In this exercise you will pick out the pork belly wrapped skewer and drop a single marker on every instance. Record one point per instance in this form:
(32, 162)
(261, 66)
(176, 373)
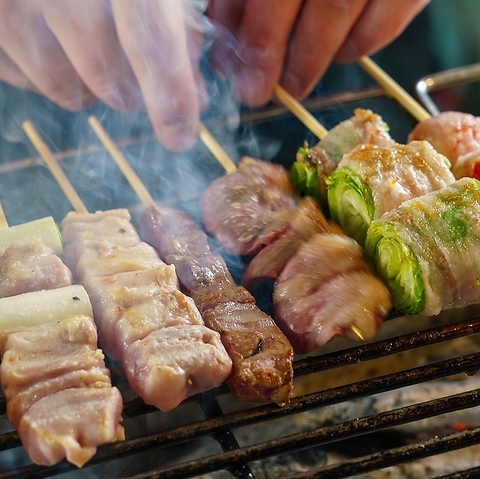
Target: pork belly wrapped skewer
(58, 391)
(144, 320)
(279, 238)
(371, 180)
(457, 136)
(314, 164)
(427, 249)
(261, 354)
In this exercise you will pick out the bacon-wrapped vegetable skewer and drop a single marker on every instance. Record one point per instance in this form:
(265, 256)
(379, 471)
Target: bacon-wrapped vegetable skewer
(370, 181)
(314, 164)
(426, 249)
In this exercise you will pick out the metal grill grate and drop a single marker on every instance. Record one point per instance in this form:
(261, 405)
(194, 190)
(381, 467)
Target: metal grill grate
(362, 411)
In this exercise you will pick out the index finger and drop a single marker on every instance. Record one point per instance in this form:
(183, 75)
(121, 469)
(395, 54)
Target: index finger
(154, 38)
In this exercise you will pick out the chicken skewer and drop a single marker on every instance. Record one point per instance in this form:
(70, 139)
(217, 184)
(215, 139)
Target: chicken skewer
(52, 372)
(261, 355)
(144, 321)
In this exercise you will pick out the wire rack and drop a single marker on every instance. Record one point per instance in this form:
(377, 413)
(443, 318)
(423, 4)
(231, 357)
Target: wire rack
(403, 405)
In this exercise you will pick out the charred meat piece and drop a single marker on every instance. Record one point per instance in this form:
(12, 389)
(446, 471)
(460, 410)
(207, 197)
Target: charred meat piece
(144, 320)
(236, 208)
(327, 289)
(58, 391)
(31, 266)
(261, 355)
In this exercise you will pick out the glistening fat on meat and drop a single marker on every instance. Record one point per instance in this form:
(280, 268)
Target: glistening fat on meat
(166, 356)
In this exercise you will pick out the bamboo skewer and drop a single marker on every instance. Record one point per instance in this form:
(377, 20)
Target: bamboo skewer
(147, 200)
(3, 218)
(216, 150)
(121, 161)
(51, 161)
(394, 89)
(300, 112)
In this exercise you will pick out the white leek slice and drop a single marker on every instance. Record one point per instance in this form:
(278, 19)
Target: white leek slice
(39, 307)
(44, 229)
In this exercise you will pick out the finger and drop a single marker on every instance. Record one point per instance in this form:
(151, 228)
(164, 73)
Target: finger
(36, 52)
(11, 74)
(154, 39)
(226, 17)
(379, 24)
(90, 42)
(319, 32)
(262, 39)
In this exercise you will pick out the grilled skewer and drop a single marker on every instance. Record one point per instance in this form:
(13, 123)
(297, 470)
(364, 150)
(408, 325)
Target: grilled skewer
(52, 372)
(144, 320)
(261, 355)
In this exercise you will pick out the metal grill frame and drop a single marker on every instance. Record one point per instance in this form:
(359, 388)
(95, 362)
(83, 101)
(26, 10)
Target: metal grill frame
(236, 461)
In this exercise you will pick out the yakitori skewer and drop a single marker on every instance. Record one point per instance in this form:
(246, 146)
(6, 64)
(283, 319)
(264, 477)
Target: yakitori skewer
(261, 355)
(209, 141)
(167, 352)
(394, 89)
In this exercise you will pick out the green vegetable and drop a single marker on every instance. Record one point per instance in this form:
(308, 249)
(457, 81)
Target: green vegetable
(351, 203)
(397, 265)
(305, 179)
(45, 229)
(39, 307)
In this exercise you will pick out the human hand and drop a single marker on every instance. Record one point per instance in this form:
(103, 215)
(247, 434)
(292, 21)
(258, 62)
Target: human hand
(128, 54)
(292, 42)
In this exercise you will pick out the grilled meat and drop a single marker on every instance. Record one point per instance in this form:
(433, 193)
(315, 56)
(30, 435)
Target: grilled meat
(237, 208)
(261, 355)
(58, 391)
(31, 266)
(144, 320)
(455, 135)
(327, 289)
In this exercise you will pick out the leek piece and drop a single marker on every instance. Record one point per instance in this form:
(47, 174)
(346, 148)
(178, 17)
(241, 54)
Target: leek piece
(39, 307)
(45, 229)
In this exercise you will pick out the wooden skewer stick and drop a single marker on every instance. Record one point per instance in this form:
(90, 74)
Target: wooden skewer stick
(216, 150)
(394, 89)
(121, 161)
(3, 218)
(51, 161)
(301, 112)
